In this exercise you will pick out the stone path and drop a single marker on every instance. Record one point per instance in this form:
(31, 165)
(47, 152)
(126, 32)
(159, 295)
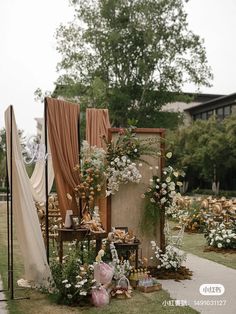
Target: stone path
(3, 305)
(205, 272)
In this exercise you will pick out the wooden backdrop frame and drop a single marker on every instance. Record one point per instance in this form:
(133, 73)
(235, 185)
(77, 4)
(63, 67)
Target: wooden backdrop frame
(161, 133)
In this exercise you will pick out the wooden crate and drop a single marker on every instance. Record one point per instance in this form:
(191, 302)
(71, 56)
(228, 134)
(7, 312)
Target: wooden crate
(150, 288)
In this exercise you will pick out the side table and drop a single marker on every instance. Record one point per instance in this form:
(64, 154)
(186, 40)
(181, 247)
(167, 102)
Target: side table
(67, 235)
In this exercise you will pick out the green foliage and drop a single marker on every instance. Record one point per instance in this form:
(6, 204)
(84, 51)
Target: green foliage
(73, 279)
(128, 56)
(206, 149)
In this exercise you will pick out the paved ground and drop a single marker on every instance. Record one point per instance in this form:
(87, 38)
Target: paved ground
(205, 272)
(3, 305)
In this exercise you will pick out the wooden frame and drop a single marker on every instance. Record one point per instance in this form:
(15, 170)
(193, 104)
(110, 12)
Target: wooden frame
(161, 133)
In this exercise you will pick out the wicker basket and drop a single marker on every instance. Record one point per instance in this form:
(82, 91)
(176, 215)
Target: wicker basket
(150, 288)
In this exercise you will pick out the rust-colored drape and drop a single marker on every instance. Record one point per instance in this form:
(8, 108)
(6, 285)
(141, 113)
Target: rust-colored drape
(63, 120)
(97, 125)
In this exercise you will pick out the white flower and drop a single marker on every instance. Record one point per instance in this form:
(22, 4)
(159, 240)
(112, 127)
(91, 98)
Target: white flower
(151, 180)
(228, 240)
(68, 285)
(83, 293)
(163, 200)
(168, 179)
(164, 185)
(157, 186)
(219, 245)
(169, 155)
(65, 281)
(158, 180)
(152, 200)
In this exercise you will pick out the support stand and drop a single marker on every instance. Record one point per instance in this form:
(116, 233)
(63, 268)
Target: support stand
(10, 238)
(79, 148)
(46, 178)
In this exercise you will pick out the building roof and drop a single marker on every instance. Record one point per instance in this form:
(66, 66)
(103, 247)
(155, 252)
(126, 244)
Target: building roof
(212, 104)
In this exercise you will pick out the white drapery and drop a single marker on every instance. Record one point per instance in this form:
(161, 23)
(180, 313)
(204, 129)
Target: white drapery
(38, 176)
(29, 235)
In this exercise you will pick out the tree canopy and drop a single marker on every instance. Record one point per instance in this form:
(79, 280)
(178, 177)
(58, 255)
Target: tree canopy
(129, 56)
(206, 150)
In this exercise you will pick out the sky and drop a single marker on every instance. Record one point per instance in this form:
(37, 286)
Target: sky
(28, 56)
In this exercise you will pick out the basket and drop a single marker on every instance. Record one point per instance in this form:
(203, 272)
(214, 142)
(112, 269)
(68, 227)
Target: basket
(144, 289)
(123, 289)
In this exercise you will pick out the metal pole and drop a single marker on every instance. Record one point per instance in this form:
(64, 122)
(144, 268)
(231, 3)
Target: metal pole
(11, 211)
(46, 179)
(8, 229)
(80, 200)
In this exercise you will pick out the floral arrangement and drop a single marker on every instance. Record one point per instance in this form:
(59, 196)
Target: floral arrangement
(121, 171)
(73, 280)
(161, 194)
(221, 235)
(91, 173)
(122, 156)
(195, 220)
(172, 259)
(121, 268)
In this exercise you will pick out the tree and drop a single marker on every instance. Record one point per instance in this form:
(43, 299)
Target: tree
(130, 56)
(206, 150)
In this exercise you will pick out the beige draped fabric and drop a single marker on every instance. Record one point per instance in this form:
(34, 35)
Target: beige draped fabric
(63, 120)
(26, 220)
(97, 125)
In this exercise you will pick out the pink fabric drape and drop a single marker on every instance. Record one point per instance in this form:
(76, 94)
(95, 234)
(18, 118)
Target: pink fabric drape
(63, 119)
(97, 125)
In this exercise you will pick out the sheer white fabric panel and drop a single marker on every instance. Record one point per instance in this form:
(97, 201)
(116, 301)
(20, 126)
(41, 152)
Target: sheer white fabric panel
(38, 176)
(28, 232)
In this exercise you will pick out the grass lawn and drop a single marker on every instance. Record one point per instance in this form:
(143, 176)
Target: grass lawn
(195, 243)
(42, 304)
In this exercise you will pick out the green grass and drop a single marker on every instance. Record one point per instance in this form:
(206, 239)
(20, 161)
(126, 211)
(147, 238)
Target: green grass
(42, 304)
(195, 243)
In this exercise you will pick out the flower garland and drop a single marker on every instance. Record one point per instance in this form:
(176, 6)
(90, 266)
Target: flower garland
(160, 194)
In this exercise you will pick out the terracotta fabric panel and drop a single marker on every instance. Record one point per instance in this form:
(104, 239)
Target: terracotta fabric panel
(63, 119)
(97, 125)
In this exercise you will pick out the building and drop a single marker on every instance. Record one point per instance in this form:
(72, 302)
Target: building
(197, 101)
(221, 107)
